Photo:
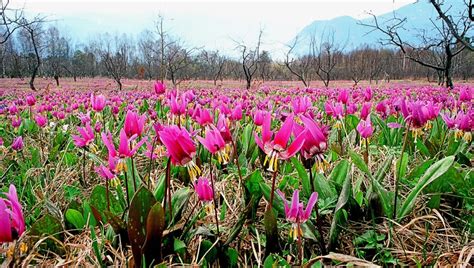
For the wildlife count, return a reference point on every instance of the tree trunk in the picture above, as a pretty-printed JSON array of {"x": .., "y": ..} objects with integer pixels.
[
  {"x": 447, "y": 70},
  {"x": 56, "y": 77},
  {"x": 119, "y": 83},
  {"x": 38, "y": 62}
]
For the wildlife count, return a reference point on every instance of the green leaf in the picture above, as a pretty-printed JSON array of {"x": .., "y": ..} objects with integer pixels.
[
  {"x": 338, "y": 212},
  {"x": 155, "y": 225},
  {"x": 141, "y": 203},
  {"x": 422, "y": 148},
  {"x": 385, "y": 168},
  {"x": 253, "y": 183},
  {"x": 233, "y": 256},
  {"x": 75, "y": 218},
  {"x": 303, "y": 176},
  {"x": 402, "y": 168},
  {"x": 48, "y": 225},
  {"x": 434, "y": 172},
  {"x": 323, "y": 187},
  {"x": 269, "y": 261},
  {"x": 98, "y": 200},
  {"x": 159, "y": 192},
  {"x": 420, "y": 170},
  {"x": 384, "y": 196},
  {"x": 209, "y": 249},
  {"x": 339, "y": 172},
  {"x": 178, "y": 201},
  {"x": 359, "y": 163},
  {"x": 179, "y": 246},
  {"x": 271, "y": 231}
]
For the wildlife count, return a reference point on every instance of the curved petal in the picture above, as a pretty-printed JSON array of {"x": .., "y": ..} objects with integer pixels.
[
  {"x": 283, "y": 135},
  {"x": 311, "y": 202}
]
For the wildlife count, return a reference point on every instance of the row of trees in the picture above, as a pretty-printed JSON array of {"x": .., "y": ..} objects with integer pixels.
[{"x": 32, "y": 47}]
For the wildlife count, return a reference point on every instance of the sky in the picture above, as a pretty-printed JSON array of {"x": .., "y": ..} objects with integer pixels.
[{"x": 209, "y": 24}]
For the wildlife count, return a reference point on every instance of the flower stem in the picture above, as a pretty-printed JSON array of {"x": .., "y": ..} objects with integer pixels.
[
  {"x": 151, "y": 161},
  {"x": 167, "y": 186},
  {"x": 236, "y": 156},
  {"x": 272, "y": 193},
  {"x": 319, "y": 223},
  {"x": 300, "y": 243},
  {"x": 133, "y": 175},
  {"x": 366, "y": 153},
  {"x": 214, "y": 198},
  {"x": 126, "y": 188},
  {"x": 107, "y": 193},
  {"x": 397, "y": 178},
  {"x": 83, "y": 182}
]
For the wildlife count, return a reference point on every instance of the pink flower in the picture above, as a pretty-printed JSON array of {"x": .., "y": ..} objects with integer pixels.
[
  {"x": 85, "y": 118},
  {"x": 278, "y": 147},
  {"x": 12, "y": 222},
  {"x": 181, "y": 148},
  {"x": 16, "y": 122},
  {"x": 368, "y": 94},
  {"x": 203, "y": 189},
  {"x": 236, "y": 113},
  {"x": 316, "y": 139},
  {"x": 85, "y": 137},
  {"x": 365, "y": 111},
  {"x": 107, "y": 172},
  {"x": 465, "y": 95},
  {"x": 40, "y": 120},
  {"x": 215, "y": 144},
  {"x": 17, "y": 143},
  {"x": 301, "y": 105},
  {"x": 203, "y": 117},
  {"x": 295, "y": 213},
  {"x": 365, "y": 129},
  {"x": 343, "y": 96},
  {"x": 134, "y": 124},
  {"x": 160, "y": 88},
  {"x": 30, "y": 100},
  {"x": 12, "y": 109},
  {"x": 223, "y": 127},
  {"x": 258, "y": 117},
  {"x": 98, "y": 102},
  {"x": 178, "y": 142}
]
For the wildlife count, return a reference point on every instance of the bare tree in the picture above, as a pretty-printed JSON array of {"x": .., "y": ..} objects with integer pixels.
[
  {"x": 213, "y": 64},
  {"x": 250, "y": 59},
  {"x": 458, "y": 32},
  {"x": 326, "y": 58},
  {"x": 33, "y": 29},
  {"x": 149, "y": 55},
  {"x": 164, "y": 44},
  {"x": 57, "y": 53},
  {"x": 114, "y": 53},
  {"x": 12, "y": 19},
  {"x": 302, "y": 66},
  {"x": 177, "y": 58},
  {"x": 444, "y": 45}
]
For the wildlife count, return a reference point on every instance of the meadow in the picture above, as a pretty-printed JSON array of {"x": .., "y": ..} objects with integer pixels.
[{"x": 275, "y": 175}]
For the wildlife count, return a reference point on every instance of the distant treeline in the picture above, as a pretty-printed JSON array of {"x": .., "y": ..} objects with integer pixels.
[{"x": 155, "y": 55}]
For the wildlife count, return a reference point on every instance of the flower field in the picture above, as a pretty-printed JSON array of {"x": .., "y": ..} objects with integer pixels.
[{"x": 230, "y": 177}]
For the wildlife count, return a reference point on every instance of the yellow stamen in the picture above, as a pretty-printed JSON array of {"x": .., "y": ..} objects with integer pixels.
[
  {"x": 193, "y": 170},
  {"x": 458, "y": 134},
  {"x": 114, "y": 182},
  {"x": 467, "y": 136},
  {"x": 417, "y": 132},
  {"x": 121, "y": 166}
]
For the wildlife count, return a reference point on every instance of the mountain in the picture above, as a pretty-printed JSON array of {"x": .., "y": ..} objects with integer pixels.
[{"x": 349, "y": 33}]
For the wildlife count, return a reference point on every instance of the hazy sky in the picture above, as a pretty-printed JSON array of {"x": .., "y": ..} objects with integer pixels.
[{"x": 212, "y": 24}]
